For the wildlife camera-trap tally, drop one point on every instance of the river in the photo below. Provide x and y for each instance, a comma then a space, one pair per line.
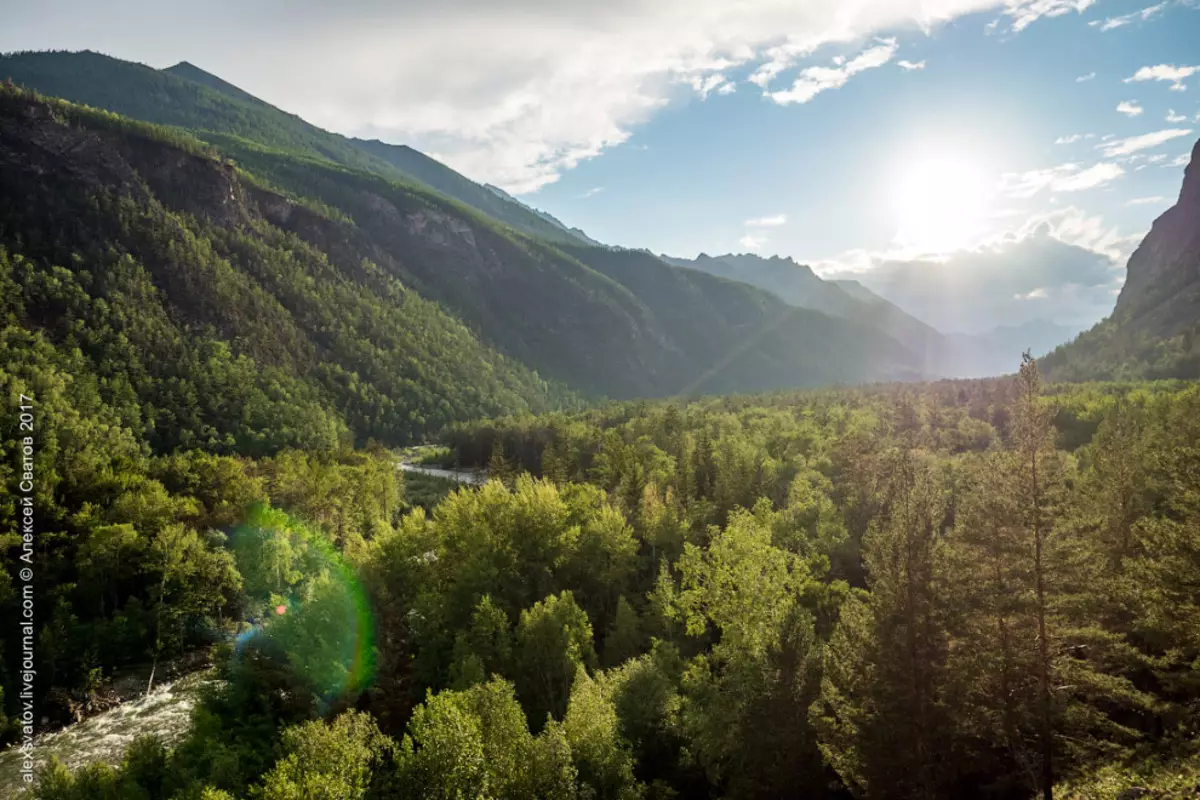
165, 712
473, 477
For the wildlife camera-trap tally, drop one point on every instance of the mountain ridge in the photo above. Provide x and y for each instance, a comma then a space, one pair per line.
186, 96
590, 318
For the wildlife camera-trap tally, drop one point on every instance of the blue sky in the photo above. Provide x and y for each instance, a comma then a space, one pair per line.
690, 177
1010, 149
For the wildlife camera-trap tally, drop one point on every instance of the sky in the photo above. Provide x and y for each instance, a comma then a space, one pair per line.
981, 162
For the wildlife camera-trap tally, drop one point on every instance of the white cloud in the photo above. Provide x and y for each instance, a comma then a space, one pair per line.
592, 192
1173, 117
752, 241
813, 80
511, 93
1025, 14
910, 65
1147, 201
1180, 161
1066, 256
706, 85
772, 221
727, 88
1090, 178
1075, 227
1165, 72
1074, 137
1125, 19
1129, 108
1062, 178
1123, 147
1085, 78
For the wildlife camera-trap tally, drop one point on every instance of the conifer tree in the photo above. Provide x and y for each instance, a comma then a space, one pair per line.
499, 467
1032, 436
881, 718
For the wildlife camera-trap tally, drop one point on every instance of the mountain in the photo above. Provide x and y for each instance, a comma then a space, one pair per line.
186, 96
138, 262
857, 290
938, 354
481, 197
1153, 331
372, 303
951, 355
795, 283
553, 220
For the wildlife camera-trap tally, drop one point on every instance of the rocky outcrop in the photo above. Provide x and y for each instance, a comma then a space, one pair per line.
1154, 331
1163, 275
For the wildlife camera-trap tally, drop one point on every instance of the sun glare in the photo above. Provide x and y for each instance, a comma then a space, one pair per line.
941, 203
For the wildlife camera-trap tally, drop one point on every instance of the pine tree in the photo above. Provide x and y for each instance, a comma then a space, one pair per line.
881, 719
1032, 435
1023, 576
499, 467
554, 463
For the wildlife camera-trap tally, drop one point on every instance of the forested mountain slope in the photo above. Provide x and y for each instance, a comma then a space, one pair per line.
188, 97
1154, 328
555, 307
153, 267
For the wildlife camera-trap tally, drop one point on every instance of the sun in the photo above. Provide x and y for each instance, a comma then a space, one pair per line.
941, 202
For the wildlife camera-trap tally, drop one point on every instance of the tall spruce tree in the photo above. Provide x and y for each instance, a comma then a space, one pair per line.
881, 718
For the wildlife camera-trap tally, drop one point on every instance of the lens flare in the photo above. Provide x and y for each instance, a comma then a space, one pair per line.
307, 601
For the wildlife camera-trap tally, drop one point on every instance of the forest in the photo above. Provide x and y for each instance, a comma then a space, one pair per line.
227, 334
956, 589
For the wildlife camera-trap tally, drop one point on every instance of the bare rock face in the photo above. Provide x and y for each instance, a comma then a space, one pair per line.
1163, 277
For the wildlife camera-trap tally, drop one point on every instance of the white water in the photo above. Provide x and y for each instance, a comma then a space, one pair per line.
165, 713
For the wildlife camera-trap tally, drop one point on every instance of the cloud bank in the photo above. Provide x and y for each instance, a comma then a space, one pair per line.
510, 93
1063, 265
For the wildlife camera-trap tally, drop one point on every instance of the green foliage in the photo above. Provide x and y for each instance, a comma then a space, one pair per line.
553, 642
334, 761
601, 755
475, 744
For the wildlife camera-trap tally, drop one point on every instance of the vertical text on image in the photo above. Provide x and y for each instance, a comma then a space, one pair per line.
25, 503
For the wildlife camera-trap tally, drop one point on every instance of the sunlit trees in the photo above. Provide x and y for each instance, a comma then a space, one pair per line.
744, 701
553, 640
338, 760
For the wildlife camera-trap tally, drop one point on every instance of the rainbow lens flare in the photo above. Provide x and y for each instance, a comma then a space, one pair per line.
306, 600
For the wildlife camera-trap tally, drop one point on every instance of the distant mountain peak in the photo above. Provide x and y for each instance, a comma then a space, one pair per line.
189, 71
775, 262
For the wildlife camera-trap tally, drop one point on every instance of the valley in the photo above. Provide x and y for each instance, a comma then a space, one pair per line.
463, 503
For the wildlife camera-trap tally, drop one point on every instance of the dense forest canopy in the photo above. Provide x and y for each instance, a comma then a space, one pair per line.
959, 589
